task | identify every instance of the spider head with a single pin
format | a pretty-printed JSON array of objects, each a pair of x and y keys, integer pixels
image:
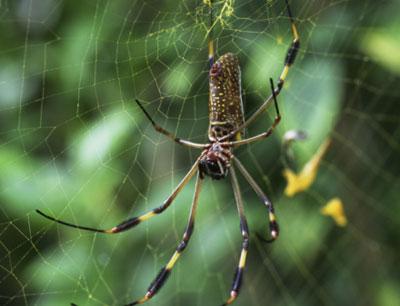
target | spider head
[
  {"x": 213, "y": 168},
  {"x": 215, "y": 162}
]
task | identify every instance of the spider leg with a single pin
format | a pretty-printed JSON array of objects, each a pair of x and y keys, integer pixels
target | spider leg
[
  {"x": 164, "y": 273},
  {"x": 237, "y": 280},
  {"x": 289, "y": 60},
  {"x": 269, "y": 131},
  {"x": 292, "y": 51},
  {"x": 211, "y": 50},
  {"x": 132, "y": 222},
  {"x": 273, "y": 225},
  {"x": 163, "y": 131}
]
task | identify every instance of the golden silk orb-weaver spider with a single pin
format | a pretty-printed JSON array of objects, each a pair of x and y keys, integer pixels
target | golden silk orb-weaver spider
[{"x": 225, "y": 132}]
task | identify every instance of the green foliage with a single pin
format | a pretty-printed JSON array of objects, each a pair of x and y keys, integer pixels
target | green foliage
[{"x": 383, "y": 46}]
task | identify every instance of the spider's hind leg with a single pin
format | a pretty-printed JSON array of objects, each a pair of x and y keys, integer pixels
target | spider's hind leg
[
  {"x": 237, "y": 280},
  {"x": 165, "y": 272},
  {"x": 273, "y": 224}
]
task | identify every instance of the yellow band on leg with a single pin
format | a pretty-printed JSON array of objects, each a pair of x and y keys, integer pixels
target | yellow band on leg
[
  {"x": 295, "y": 33},
  {"x": 147, "y": 216},
  {"x": 284, "y": 73},
  {"x": 210, "y": 49},
  {"x": 172, "y": 261},
  {"x": 272, "y": 217},
  {"x": 242, "y": 261}
]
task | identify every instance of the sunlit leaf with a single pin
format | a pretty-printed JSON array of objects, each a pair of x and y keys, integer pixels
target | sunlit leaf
[
  {"x": 383, "y": 47},
  {"x": 298, "y": 182},
  {"x": 99, "y": 141},
  {"x": 180, "y": 79},
  {"x": 334, "y": 209}
]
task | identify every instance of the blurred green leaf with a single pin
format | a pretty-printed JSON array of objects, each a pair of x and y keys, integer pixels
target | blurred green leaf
[
  {"x": 25, "y": 180},
  {"x": 264, "y": 62},
  {"x": 11, "y": 85},
  {"x": 76, "y": 54},
  {"x": 312, "y": 104},
  {"x": 389, "y": 293},
  {"x": 102, "y": 137},
  {"x": 383, "y": 47},
  {"x": 180, "y": 79}
]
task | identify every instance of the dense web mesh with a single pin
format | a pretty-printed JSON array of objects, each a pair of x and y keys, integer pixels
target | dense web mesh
[{"x": 74, "y": 144}]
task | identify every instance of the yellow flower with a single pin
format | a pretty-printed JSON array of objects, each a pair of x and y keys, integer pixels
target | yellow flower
[
  {"x": 298, "y": 182},
  {"x": 334, "y": 209}
]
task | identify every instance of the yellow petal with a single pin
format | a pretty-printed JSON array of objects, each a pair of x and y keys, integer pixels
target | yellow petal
[
  {"x": 298, "y": 182},
  {"x": 334, "y": 209}
]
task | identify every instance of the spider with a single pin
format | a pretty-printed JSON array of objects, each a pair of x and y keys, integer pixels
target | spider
[{"x": 225, "y": 132}]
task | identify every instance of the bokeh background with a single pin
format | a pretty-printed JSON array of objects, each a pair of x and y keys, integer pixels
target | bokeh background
[{"x": 73, "y": 144}]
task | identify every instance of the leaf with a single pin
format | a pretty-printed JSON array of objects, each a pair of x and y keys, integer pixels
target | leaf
[
  {"x": 298, "y": 182},
  {"x": 334, "y": 209},
  {"x": 103, "y": 136},
  {"x": 383, "y": 47},
  {"x": 312, "y": 103}
]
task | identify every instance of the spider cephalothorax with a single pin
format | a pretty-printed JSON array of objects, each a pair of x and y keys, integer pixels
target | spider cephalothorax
[{"x": 215, "y": 161}]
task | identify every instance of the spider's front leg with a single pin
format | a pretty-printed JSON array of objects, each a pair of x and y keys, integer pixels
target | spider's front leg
[
  {"x": 170, "y": 135},
  {"x": 164, "y": 273},
  {"x": 290, "y": 58},
  {"x": 271, "y": 128},
  {"x": 292, "y": 51}
]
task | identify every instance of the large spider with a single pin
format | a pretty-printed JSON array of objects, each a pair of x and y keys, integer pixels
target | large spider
[{"x": 226, "y": 126}]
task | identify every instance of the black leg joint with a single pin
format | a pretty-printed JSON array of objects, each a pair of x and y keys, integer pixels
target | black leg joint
[
  {"x": 164, "y": 206},
  {"x": 159, "y": 209},
  {"x": 244, "y": 228},
  {"x": 186, "y": 236},
  {"x": 237, "y": 281},
  {"x": 292, "y": 53},
  {"x": 274, "y": 227},
  {"x": 182, "y": 245},
  {"x": 128, "y": 224},
  {"x": 279, "y": 86},
  {"x": 189, "y": 230},
  {"x": 245, "y": 244},
  {"x": 158, "y": 282}
]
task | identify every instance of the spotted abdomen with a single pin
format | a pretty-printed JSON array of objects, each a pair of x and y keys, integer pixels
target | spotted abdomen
[{"x": 225, "y": 103}]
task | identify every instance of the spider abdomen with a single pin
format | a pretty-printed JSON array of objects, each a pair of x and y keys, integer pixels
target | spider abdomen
[{"x": 225, "y": 102}]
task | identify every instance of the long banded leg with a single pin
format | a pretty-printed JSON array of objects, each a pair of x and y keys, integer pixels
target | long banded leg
[
  {"x": 292, "y": 51},
  {"x": 163, "y": 131},
  {"x": 132, "y": 222},
  {"x": 289, "y": 60},
  {"x": 211, "y": 50},
  {"x": 237, "y": 280},
  {"x": 273, "y": 225},
  {"x": 269, "y": 131},
  {"x": 162, "y": 276}
]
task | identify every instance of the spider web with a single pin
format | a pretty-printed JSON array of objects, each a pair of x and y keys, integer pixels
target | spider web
[{"x": 73, "y": 144}]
